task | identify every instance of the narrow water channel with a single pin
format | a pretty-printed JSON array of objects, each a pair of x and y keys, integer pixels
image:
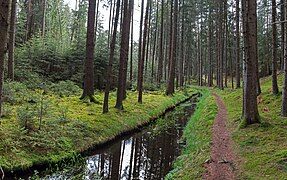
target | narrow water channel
[{"x": 148, "y": 154}]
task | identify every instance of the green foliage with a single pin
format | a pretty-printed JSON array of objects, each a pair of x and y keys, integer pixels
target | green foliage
[
  {"x": 25, "y": 116},
  {"x": 65, "y": 88},
  {"x": 15, "y": 92},
  {"x": 198, "y": 138}
]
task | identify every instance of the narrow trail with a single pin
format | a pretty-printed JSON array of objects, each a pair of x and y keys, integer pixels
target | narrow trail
[{"x": 222, "y": 164}]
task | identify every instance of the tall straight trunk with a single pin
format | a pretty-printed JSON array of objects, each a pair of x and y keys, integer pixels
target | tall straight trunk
[
  {"x": 28, "y": 22},
  {"x": 155, "y": 41},
  {"x": 220, "y": 46},
  {"x": 282, "y": 50},
  {"x": 123, "y": 55},
  {"x": 210, "y": 50},
  {"x": 170, "y": 53},
  {"x": 171, "y": 78},
  {"x": 44, "y": 5},
  {"x": 284, "y": 90},
  {"x": 4, "y": 24},
  {"x": 250, "y": 109},
  {"x": 125, "y": 70},
  {"x": 132, "y": 43},
  {"x": 111, "y": 59},
  {"x": 237, "y": 65},
  {"x": 141, "y": 67},
  {"x": 89, "y": 62},
  {"x": 140, "y": 43},
  {"x": 149, "y": 34},
  {"x": 274, "y": 50},
  {"x": 181, "y": 66},
  {"x": 160, "y": 56},
  {"x": 110, "y": 21},
  {"x": 11, "y": 44},
  {"x": 226, "y": 47}
]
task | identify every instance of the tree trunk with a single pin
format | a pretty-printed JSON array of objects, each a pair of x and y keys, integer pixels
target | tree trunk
[
  {"x": 160, "y": 56},
  {"x": 141, "y": 67},
  {"x": 155, "y": 41},
  {"x": 181, "y": 65},
  {"x": 250, "y": 110},
  {"x": 237, "y": 65},
  {"x": 28, "y": 22},
  {"x": 125, "y": 70},
  {"x": 284, "y": 91},
  {"x": 89, "y": 62},
  {"x": 44, "y": 2},
  {"x": 210, "y": 50},
  {"x": 132, "y": 43},
  {"x": 171, "y": 78},
  {"x": 11, "y": 45},
  {"x": 4, "y": 24},
  {"x": 123, "y": 55},
  {"x": 274, "y": 54},
  {"x": 111, "y": 59},
  {"x": 140, "y": 43},
  {"x": 282, "y": 16}
]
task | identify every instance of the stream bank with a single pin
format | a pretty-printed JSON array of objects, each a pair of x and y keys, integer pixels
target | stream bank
[{"x": 174, "y": 101}]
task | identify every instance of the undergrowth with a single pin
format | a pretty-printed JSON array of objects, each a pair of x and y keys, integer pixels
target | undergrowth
[
  {"x": 261, "y": 147},
  {"x": 197, "y": 135},
  {"x": 68, "y": 125}
]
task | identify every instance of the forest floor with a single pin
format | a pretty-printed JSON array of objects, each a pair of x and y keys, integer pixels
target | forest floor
[{"x": 222, "y": 164}]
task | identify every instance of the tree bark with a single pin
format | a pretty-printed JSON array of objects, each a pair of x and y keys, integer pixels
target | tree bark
[
  {"x": 250, "y": 110},
  {"x": 111, "y": 59},
  {"x": 89, "y": 62},
  {"x": 160, "y": 56},
  {"x": 4, "y": 24},
  {"x": 210, "y": 50},
  {"x": 171, "y": 78},
  {"x": 123, "y": 55},
  {"x": 28, "y": 22},
  {"x": 140, "y": 43},
  {"x": 44, "y": 4},
  {"x": 11, "y": 45},
  {"x": 274, "y": 53},
  {"x": 284, "y": 90},
  {"x": 141, "y": 67},
  {"x": 282, "y": 16},
  {"x": 237, "y": 65}
]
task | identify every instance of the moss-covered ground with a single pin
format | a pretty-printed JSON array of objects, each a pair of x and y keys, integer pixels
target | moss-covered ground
[
  {"x": 262, "y": 148},
  {"x": 69, "y": 125},
  {"x": 197, "y": 135}
]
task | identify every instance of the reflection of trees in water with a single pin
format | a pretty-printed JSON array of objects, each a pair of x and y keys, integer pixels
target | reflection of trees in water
[
  {"x": 140, "y": 157},
  {"x": 146, "y": 155}
]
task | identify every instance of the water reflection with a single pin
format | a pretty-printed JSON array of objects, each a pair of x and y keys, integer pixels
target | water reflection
[{"x": 145, "y": 155}]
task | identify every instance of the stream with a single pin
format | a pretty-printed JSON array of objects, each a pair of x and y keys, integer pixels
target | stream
[{"x": 147, "y": 154}]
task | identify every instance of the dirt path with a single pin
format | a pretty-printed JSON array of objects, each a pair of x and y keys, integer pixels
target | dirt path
[{"x": 222, "y": 165}]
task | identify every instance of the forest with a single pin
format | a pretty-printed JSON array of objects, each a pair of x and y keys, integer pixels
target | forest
[{"x": 146, "y": 89}]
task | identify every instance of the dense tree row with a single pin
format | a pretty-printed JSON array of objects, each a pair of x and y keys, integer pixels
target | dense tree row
[{"x": 213, "y": 42}]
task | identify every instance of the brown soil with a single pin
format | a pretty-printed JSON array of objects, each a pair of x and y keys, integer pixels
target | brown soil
[{"x": 222, "y": 164}]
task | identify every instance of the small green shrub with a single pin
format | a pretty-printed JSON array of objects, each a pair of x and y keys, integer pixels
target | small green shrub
[
  {"x": 65, "y": 88},
  {"x": 15, "y": 92},
  {"x": 25, "y": 116}
]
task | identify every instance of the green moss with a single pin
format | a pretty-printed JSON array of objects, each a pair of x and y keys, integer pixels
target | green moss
[
  {"x": 197, "y": 135},
  {"x": 71, "y": 126},
  {"x": 261, "y": 147}
]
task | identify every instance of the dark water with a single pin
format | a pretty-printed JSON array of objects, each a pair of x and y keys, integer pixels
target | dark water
[{"x": 148, "y": 154}]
